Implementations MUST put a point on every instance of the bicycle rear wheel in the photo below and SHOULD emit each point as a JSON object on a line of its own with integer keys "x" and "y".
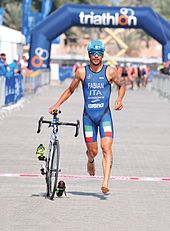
{"x": 53, "y": 169}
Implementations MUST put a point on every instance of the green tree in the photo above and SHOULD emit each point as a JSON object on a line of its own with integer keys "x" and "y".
{"x": 157, "y": 5}
{"x": 13, "y": 15}
{"x": 164, "y": 9}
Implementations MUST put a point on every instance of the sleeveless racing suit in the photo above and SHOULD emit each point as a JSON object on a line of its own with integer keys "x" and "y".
{"x": 96, "y": 115}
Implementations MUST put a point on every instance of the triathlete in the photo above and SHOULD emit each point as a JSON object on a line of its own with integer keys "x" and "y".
{"x": 96, "y": 79}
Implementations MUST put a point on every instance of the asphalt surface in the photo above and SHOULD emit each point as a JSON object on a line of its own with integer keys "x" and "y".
{"x": 141, "y": 151}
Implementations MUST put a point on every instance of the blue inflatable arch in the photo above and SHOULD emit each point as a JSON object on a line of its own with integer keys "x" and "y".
{"x": 95, "y": 16}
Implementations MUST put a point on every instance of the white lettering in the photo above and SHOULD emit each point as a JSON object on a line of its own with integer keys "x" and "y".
{"x": 95, "y": 93}
{"x": 124, "y": 18}
{"x": 96, "y": 105}
{"x": 95, "y": 85}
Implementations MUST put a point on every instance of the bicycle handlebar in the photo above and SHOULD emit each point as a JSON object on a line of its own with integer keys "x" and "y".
{"x": 58, "y": 123}
{"x": 39, "y": 124}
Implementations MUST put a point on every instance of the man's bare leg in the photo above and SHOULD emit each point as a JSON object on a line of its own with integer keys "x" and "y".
{"x": 106, "y": 145}
{"x": 92, "y": 150}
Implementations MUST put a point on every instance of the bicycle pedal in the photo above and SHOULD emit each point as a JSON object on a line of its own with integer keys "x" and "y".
{"x": 42, "y": 170}
{"x": 42, "y": 158}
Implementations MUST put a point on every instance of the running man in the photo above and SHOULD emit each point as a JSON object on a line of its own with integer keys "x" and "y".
{"x": 96, "y": 79}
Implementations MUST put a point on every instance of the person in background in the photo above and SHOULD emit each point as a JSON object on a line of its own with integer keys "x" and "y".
{"x": 24, "y": 64}
{"x": 164, "y": 69}
{"x": 15, "y": 66}
{"x": 138, "y": 79}
{"x": 125, "y": 74}
{"x": 3, "y": 65}
{"x": 132, "y": 74}
{"x": 145, "y": 71}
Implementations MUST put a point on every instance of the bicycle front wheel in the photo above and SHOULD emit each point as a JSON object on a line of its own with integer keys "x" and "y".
{"x": 53, "y": 169}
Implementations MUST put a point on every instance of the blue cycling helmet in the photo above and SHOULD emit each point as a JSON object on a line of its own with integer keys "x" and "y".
{"x": 96, "y": 45}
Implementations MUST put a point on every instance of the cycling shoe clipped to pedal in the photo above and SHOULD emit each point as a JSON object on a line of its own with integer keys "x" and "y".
{"x": 43, "y": 169}
{"x": 40, "y": 152}
{"x": 61, "y": 187}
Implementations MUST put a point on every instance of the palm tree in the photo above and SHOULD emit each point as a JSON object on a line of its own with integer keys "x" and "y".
{"x": 13, "y": 15}
{"x": 131, "y": 38}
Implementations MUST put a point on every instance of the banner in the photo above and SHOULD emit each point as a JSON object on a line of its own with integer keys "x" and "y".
{"x": 46, "y": 8}
{"x": 81, "y": 15}
{"x": 26, "y": 12}
{"x": 13, "y": 89}
{"x": 1, "y": 15}
{"x": 65, "y": 72}
{"x": 2, "y": 90}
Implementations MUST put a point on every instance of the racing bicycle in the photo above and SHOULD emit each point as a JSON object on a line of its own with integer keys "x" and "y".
{"x": 52, "y": 158}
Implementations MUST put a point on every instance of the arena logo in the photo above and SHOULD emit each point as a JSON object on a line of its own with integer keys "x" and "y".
{"x": 96, "y": 105}
{"x": 124, "y": 18}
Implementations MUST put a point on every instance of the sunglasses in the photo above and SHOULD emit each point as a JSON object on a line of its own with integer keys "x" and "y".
{"x": 99, "y": 53}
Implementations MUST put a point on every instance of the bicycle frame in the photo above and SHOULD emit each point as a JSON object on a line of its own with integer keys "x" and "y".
{"x": 52, "y": 160}
{"x": 54, "y": 133}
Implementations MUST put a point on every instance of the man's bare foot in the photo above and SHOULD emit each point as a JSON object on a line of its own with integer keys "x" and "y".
{"x": 91, "y": 167}
{"x": 104, "y": 189}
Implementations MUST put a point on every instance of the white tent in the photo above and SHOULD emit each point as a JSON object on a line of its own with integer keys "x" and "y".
{"x": 11, "y": 42}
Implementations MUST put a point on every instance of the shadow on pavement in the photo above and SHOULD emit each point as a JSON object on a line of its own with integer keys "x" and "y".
{"x": 39, "y": 195}
{"x": 98, "y": 195}
{"x": 89, "y": 194}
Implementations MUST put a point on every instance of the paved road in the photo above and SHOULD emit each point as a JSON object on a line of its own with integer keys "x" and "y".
{"x": 141, "y": 149}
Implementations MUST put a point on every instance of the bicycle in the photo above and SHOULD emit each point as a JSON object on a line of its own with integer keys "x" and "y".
{"x": 53, "y": 156}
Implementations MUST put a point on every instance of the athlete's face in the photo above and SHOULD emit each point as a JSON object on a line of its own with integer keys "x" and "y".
{"x": 96, "y": 58}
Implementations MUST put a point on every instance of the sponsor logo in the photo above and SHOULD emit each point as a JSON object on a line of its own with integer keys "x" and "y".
{"x": 40, "y": 56}
{"x": 96, "y": 105}
{"x": 89, "y": 76}
{"x": 126, "y": 17}
{"x": 95, "y": 100}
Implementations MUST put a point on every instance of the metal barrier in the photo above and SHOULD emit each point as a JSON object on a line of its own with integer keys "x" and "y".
{"x": 161, "y": 84}
{"x": 14, "y": 87}
{"x": 2, "y": 91}
{"x": 33, "y": 81}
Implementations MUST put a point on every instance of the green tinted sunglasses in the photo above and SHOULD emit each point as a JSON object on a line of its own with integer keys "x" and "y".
{"x": 99, "y": 53}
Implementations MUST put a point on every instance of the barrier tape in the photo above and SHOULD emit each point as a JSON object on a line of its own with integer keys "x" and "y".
{"x": 116, "y": 178}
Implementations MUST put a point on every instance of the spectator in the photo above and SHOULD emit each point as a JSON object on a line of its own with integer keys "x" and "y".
{"x": 24, "y": 64}
{"x": 164, "y": 69}
{"x": 3, "y": 64}
{"x": 15, "y": 66}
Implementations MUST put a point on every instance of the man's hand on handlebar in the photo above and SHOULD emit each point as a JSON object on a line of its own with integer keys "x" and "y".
{"x": 53, "y": 110}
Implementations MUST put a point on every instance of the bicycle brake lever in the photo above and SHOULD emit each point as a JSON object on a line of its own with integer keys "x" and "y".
{"x": 77, "y": 128}
{"x": 39, "y": 124}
